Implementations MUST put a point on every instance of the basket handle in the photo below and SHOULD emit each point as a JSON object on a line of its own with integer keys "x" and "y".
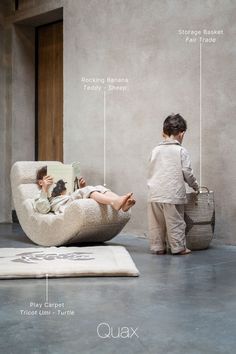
{"x": 203, "y": 187}
{"x": 208, "y": 192}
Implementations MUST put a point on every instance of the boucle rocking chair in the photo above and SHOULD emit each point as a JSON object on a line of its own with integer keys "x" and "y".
{"x": 84, "y": 220}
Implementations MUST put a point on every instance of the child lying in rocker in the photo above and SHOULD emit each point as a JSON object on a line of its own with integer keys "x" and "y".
{"x": 59, "y": 201}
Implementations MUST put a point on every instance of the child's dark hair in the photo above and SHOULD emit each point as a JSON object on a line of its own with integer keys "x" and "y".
{"x": 174, "y": 124}
{"x": 42, "y": 172}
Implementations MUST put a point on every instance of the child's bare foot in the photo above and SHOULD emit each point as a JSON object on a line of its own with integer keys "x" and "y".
{"x": 160, "y": 253}
{"x": 119, "y": 202}
{"x": 186, "y": 251}
{"x": 128, "y": 204}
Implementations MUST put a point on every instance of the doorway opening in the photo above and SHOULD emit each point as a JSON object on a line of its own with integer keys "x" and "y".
{"x": 49, "y": 92}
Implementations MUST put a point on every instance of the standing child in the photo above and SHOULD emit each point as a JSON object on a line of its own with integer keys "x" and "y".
{"x": 169, "y": 169}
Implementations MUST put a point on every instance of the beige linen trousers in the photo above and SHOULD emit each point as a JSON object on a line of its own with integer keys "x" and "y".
{"x": 166, "y": 227}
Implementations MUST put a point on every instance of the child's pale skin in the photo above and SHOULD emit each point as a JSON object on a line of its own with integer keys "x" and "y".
{"x": 179, "y": 137}
{"x": 124, "y": 202}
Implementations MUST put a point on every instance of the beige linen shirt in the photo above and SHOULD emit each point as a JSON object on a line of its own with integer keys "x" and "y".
{"x": 169, "y": 169}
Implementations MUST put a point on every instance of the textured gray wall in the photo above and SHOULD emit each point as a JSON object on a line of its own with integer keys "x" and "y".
{"x": 5, "y": 115}
{"x": 23, "y": 93}
{"x": 2, "y": 126}
{"x": 138, "y": 40}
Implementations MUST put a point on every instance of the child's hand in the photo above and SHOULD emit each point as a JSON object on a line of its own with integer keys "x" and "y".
{"x": 82, "y": 182}
{"x": 47, "y": 181}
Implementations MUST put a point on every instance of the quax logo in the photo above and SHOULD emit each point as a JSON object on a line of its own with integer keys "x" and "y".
{"x": 104, "y": 330}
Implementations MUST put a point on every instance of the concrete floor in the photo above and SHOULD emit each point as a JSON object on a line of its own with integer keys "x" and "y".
{"x": 178, "y": 305}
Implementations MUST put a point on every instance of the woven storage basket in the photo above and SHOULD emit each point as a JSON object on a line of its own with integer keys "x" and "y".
{"x": 199, "y": 215}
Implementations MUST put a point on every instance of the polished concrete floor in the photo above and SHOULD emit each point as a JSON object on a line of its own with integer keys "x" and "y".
{"x": 178, "y": 305}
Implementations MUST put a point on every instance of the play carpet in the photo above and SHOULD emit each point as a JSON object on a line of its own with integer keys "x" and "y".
{"x": 66, "y": 262}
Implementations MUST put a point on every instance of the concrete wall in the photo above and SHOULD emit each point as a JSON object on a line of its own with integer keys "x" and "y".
{"x": 5, "y": 115}
{"x": 2, "y": 121}
{"x": 17, "y": 87}
{"x": 23, "y": 93}
{"x": 139, "y": 40}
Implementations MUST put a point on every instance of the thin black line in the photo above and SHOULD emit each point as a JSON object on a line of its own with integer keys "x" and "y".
{"x": 16, "y": 5}
{"x": 50, "y": 23}
{"x": 202, "y": 223}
